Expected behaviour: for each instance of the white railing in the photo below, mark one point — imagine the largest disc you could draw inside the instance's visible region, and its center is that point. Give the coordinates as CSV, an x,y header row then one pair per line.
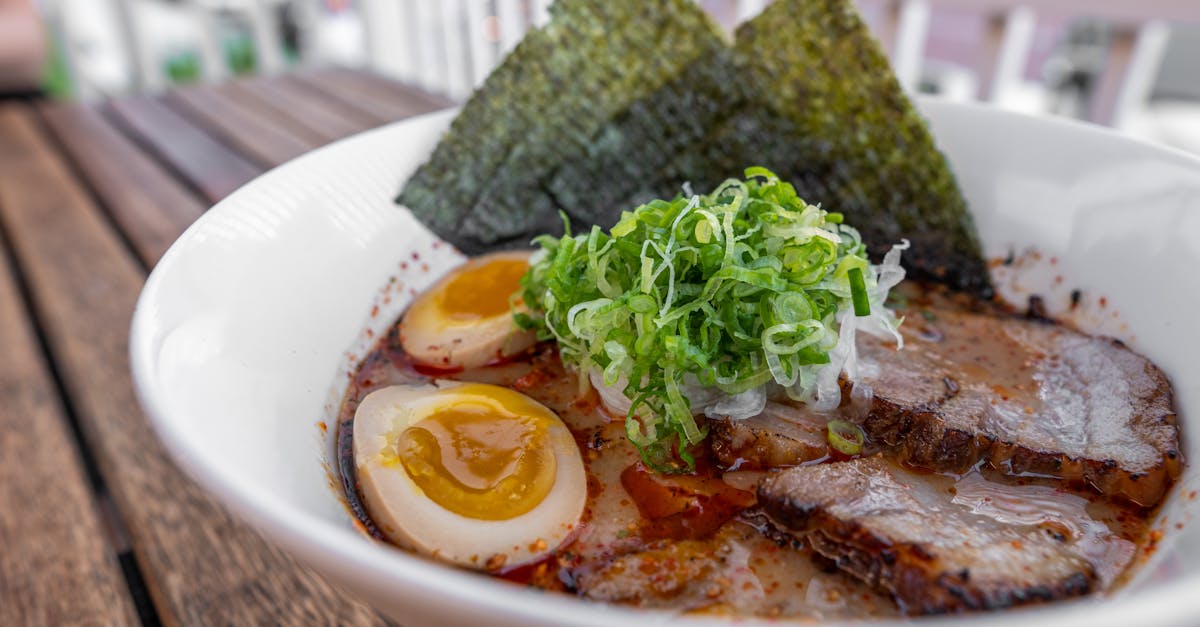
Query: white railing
x,y
449,46
1138,39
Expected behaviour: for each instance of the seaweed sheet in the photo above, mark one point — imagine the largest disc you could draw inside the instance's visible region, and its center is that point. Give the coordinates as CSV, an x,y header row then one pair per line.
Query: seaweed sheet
x,y
614,103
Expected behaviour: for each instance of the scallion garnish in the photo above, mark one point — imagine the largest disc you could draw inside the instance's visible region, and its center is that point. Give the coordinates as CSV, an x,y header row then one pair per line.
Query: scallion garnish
x,y
858,292
705,295
845,437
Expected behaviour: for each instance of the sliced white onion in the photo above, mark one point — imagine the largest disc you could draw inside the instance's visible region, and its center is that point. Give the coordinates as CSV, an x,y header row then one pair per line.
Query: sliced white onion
x,y
739,406
612,396
882,322
699,396
843,358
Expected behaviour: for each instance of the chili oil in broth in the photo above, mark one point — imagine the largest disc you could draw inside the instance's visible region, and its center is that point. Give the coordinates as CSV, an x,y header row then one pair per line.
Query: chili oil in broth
x,y
685,543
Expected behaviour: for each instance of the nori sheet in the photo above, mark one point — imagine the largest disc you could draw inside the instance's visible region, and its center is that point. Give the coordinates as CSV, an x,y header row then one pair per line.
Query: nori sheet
x,y
488,183
614,103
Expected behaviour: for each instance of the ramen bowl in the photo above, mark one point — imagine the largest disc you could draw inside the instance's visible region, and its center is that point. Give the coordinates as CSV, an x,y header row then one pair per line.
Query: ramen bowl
x,y
248,330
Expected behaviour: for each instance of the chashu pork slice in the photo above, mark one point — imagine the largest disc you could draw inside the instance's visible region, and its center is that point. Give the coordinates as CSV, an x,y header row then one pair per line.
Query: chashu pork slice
x,y
781,435
985,546
1025,396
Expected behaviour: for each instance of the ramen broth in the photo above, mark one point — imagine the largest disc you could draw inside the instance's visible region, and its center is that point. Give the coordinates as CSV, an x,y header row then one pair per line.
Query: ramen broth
x,y
711,553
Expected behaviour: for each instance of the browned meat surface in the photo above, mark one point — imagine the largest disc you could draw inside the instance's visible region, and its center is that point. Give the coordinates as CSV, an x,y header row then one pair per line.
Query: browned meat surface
x,y
980,546
739,569
1025,396
782,435
676,574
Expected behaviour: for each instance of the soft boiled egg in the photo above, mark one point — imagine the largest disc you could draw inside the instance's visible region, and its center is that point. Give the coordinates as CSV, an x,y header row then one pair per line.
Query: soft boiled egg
x,y
475,474
465,319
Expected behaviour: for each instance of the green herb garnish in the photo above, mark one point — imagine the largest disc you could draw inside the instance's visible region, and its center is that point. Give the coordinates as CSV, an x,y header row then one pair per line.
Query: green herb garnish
x,y
845,437
858,292
724,292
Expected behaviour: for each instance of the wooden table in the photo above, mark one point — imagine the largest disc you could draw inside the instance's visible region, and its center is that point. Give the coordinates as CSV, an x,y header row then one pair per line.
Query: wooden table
x,y
97,525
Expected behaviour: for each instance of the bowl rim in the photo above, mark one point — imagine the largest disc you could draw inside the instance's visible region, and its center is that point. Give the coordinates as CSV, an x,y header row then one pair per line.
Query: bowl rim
x,y
305,534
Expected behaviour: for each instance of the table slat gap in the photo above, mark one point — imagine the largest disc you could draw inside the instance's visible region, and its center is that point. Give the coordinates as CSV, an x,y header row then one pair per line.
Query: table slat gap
x,y
284,120
200,566
329,121
147,203
78,174
208,166
57,566
257,137
385,99
373,113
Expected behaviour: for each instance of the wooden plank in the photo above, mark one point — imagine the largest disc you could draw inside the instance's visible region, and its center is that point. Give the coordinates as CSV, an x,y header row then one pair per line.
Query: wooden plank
x,y
384,99
285,122
147,203
248,129
210,167
328,118
56,566
201,567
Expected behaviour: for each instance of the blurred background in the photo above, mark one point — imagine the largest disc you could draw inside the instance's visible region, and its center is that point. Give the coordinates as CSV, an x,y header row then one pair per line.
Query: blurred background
x,y
1130,64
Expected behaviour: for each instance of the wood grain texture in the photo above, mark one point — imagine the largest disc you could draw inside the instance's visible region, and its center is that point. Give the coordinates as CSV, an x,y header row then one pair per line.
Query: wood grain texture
x,y
209,166
144,199
384,99
201,567
328,118
253,131
56,565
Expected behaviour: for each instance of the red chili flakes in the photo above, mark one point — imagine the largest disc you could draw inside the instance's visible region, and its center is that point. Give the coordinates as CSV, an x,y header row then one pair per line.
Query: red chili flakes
x,y
1103,301
403,265
323,427
424,267
416,256
1153,539
536,378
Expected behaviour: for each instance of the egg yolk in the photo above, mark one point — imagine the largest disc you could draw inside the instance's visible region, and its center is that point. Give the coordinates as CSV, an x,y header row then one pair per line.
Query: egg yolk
x,y
480,460
483,291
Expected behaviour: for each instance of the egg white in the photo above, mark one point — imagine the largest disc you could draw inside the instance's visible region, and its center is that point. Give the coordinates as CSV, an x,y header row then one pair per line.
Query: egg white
x,y
432,338
409,518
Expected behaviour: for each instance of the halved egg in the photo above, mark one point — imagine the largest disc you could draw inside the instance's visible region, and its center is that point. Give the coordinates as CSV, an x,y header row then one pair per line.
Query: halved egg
x,y
465,319
475,474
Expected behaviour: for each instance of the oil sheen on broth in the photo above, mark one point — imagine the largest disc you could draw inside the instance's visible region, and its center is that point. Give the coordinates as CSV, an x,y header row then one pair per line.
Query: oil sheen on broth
x,y
695,542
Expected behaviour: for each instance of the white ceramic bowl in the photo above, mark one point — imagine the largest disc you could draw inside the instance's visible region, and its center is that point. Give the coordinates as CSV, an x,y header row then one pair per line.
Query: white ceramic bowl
x,y
246,331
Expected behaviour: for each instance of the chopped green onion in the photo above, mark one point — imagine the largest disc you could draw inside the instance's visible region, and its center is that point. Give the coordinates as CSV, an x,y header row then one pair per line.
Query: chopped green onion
x,y
858,292
729,290
845,437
